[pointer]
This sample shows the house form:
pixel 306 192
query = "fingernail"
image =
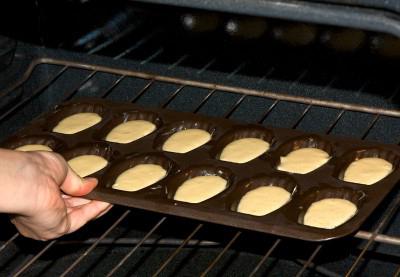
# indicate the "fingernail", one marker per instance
pixel 104 212
pixel 90 179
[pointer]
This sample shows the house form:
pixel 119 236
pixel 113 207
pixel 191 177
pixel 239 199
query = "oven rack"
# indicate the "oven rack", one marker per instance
pixel 373 236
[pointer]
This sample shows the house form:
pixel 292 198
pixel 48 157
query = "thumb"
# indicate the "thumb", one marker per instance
pixel 76 186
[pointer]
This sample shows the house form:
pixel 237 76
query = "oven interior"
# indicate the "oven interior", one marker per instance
pixel 313 77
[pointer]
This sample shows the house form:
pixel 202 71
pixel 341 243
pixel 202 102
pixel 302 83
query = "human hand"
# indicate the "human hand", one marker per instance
pixel 46 195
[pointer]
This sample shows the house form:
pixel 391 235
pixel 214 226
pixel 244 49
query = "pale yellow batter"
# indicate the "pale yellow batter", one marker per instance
pixel 367 171
pixel 34 147
pixel 139 177
pixel 130 131
pixel 244 150
pixel 186 140
pixel 303 160
pixel 76 123
pixel 200 188
pixel 329 213
pixel 263 200
pixel 86 165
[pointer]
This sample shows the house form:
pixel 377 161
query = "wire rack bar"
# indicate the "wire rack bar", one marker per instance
pixel 221 254
pixel 79 85
pixel 310 259
pixel 394 205
pixel 330 83
pixel 265 257
pixel 142 91
pixel 236 70
pixel 112 40
pixel 267 112
pixel 266 75
pixel 319 269
pixel 301 117
pixel 113 85
pixel 371 125
pixel 397 273
pixel 152 56
pixel 205 99
pixel 226 88
pixel 176 252
pixel 137 44
pixel 378 238
pixel 206 66
pixel 394 94
pixel 149 241
pixel 363 235
pixel 234 107
pixel 93 246
pixel 172 97
pixel 33 259
pixel 178 62
pixel 335 122
pixel 134 249
pixel 298 79
pixel 8 242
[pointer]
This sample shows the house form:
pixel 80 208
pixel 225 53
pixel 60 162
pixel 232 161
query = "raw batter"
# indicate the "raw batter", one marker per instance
pixel 186 140
pixel 130 131
pixel 303 160
pixel 329 213
pixel 367 171
pixel 263 200
pixel 34 147
pixel 244 150
pixel 86 165
pixel 200 188
pixel 76 123
pixel 139 177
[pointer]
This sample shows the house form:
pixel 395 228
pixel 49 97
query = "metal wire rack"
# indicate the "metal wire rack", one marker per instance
pixel 375 235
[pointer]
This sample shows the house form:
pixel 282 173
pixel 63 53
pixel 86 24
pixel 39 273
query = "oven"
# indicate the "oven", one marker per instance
pixel 327 67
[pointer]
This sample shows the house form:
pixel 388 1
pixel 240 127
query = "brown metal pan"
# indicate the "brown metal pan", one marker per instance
pixel 324 182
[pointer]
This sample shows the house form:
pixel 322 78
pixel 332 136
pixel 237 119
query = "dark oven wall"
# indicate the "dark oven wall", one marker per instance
pixel 353 71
